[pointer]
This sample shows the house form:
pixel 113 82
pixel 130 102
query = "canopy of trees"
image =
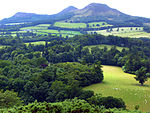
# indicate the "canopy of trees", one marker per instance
pixel 59 69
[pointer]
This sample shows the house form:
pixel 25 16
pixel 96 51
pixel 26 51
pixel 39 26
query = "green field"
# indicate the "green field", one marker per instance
pixel 42 29
pixel 70 25
pixel 122 85
pixel 136 32
pixel 108 47
pixel 98 24
pixel 1 46
pixel 36 43
pixel 37 27
pixel 14 32
pixel 81 25
pixel 61 32
pixel 48 31
pixel 70 32
pixel 44 25
pixel 58 33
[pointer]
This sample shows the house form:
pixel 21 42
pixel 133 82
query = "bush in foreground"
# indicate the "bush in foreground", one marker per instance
pixel 68 106
pixel 9 99
pixel 107 102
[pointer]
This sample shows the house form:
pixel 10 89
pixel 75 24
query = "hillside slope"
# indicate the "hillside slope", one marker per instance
pixel 90 13
pixel 25 17
pixel 95 9
pixel 68 10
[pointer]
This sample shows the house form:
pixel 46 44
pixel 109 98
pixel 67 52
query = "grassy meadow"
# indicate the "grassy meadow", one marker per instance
pixel 36 43
pixel 132 32
pixel 42 29
pixel 37 27
pixel 101 24
pixel 123 85
pixel 63 33
pixel 104 45
pixel 81 25
pixel 2 46
pixel 44 25
pixel 70 25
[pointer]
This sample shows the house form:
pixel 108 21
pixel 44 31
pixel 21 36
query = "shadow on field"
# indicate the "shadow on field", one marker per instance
pixel 105 82
pixel 145 85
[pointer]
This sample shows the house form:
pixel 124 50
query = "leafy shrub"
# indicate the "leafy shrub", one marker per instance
pixel 107 102
pixel 67 106
pixel 111 102
pixel 9 99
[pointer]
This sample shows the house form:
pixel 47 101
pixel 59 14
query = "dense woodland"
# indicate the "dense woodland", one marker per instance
pixel 59 69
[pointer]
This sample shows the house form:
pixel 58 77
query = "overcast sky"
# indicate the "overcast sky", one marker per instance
pixel 10 7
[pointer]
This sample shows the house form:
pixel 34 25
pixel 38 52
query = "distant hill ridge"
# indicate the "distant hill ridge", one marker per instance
pixel 23 14
pixel 99 9
pixel 68 10
pixel 92 12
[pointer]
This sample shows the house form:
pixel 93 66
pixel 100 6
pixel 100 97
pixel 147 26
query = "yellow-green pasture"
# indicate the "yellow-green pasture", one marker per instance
pixel 36 43
pixel 98 24
pixel 118 84
pixel 38 27
pixel 108 47
pixel 70 25
pixel 63 33
pixel 132 32
pixel 2 46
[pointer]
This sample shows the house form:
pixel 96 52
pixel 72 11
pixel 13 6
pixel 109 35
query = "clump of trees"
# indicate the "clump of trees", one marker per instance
pixel 147 29
pixel 34 79
pixel 107 102
pixel 142 75
pixel 70 106
pixel 9 99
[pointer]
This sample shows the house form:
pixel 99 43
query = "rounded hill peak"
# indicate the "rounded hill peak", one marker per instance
pixel 23 14
pixel 97 7
pixel 68 10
